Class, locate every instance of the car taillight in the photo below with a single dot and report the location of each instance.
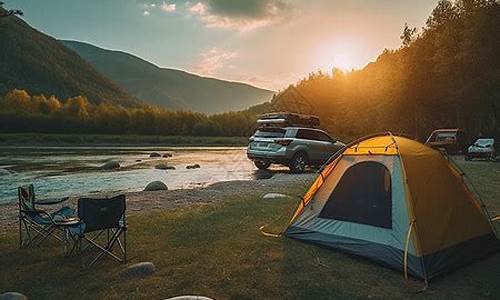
(283, 142)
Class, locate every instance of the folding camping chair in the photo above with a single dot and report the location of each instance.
(36, 225)
(102, 224)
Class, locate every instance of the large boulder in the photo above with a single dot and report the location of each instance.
(156, 186)
(13, 296)
(154, 154)
(110, 165)
(163, 166)
(141, 269)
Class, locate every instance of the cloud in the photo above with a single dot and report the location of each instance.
(213, 60)
(242, 15)
(168, 7)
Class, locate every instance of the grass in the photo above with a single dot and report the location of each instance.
(217, 250)
(48, 139)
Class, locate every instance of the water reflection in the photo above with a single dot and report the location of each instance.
(77, 171)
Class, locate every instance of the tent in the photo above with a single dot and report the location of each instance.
(398, 202)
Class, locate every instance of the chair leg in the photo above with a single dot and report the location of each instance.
(20, 233)
(125, 245)
(108, 248)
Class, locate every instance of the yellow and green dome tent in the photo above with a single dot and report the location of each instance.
(398, 202)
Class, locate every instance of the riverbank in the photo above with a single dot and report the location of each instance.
(147, 202)
(207, 242)
(49, 139)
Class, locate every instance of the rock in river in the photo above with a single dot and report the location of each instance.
(156, 186)
(111, 165)
(167, 155)
(163, 166)
(195, 166)
(155, 154)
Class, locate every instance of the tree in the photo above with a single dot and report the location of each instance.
(8, 13)
(408, 35)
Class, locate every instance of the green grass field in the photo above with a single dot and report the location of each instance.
(43, 139)
(217, 250)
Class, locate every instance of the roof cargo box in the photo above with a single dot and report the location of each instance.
(286, 119)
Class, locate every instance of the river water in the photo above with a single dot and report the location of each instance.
(75, 171)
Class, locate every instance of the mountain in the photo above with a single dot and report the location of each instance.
(39, 64)
(173, 89)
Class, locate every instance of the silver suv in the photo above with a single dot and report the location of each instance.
(295, 147)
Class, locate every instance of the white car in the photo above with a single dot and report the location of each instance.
(482, 148)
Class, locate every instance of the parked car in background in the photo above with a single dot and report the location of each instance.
(291, 140)
(482, 148)
(452, 141)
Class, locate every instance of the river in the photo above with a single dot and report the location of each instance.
(75, 171)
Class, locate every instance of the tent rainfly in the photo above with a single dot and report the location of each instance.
(398, 202)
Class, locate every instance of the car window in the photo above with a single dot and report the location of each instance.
(270, 133)
(445, 136)
(306, 134)
(312, 135)
(323, 137)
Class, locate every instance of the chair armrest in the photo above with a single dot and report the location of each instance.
(42, 213)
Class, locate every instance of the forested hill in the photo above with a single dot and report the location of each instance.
(33, 61)
(444, 75)
(169, 88)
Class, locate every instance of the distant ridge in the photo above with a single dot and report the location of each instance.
(173, 89)
(40, 64)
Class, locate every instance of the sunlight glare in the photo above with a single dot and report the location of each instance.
(341, 54)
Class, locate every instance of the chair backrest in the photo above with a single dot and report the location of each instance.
(26, 196)
(98, 214)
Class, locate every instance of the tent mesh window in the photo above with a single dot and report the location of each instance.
(363, 195)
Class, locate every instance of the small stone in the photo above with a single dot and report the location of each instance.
(195, 166)
(155, 154)
(138, 160)
(190, 297)
(274, 196)
(111, 165)
(141, 269)
(12, 296)
(156, 186)
(164, 167)
(167, 155)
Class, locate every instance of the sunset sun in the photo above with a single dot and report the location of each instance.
(345, 55)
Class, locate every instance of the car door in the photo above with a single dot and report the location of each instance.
(308, 139)
(326, 146)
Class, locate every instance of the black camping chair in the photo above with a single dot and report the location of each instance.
(102, 226)
(36, 225)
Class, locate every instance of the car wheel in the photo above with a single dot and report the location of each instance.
(261, 165)
(298, 163)
(467, 157)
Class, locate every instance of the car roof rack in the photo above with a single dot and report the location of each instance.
(288, 119)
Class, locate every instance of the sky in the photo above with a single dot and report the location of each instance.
(266, 43)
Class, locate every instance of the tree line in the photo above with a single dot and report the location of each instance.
(446, 74)
(22, 112)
